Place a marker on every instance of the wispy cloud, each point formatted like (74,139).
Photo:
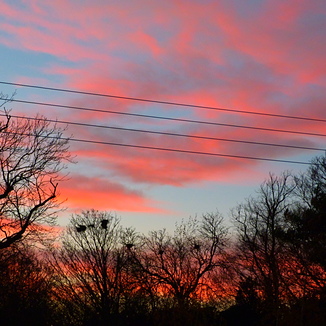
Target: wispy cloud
(261,56)
(88,192)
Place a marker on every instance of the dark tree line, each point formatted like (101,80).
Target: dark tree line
(269,269)
(109,274)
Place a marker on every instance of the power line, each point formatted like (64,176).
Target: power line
(191,152)
(169,118)
(170,149)
(163,102)
(170,133)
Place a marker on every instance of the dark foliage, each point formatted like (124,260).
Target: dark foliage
(25,289)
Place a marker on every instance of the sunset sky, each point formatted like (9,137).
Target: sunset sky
(255,55)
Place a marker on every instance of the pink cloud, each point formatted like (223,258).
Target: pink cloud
(277,38)
(93,192)
(214,54)
(177,169)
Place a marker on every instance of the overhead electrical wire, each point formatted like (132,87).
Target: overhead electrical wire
(163,102)
(175,150)
(168,118)
(169,133)
(172,119)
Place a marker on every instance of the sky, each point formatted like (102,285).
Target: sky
(262,56)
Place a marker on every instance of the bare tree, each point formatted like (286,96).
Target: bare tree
(263,255)
(178,264)
(90,266)
(33,152)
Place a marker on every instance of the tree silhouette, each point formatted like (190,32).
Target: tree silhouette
(178,264)
(306,231)
(25,288)
(308,221)
(263,254)
(32,155)
(91,267)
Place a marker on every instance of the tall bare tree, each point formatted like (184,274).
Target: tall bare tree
(33,153)
(90,266)
(263,254)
